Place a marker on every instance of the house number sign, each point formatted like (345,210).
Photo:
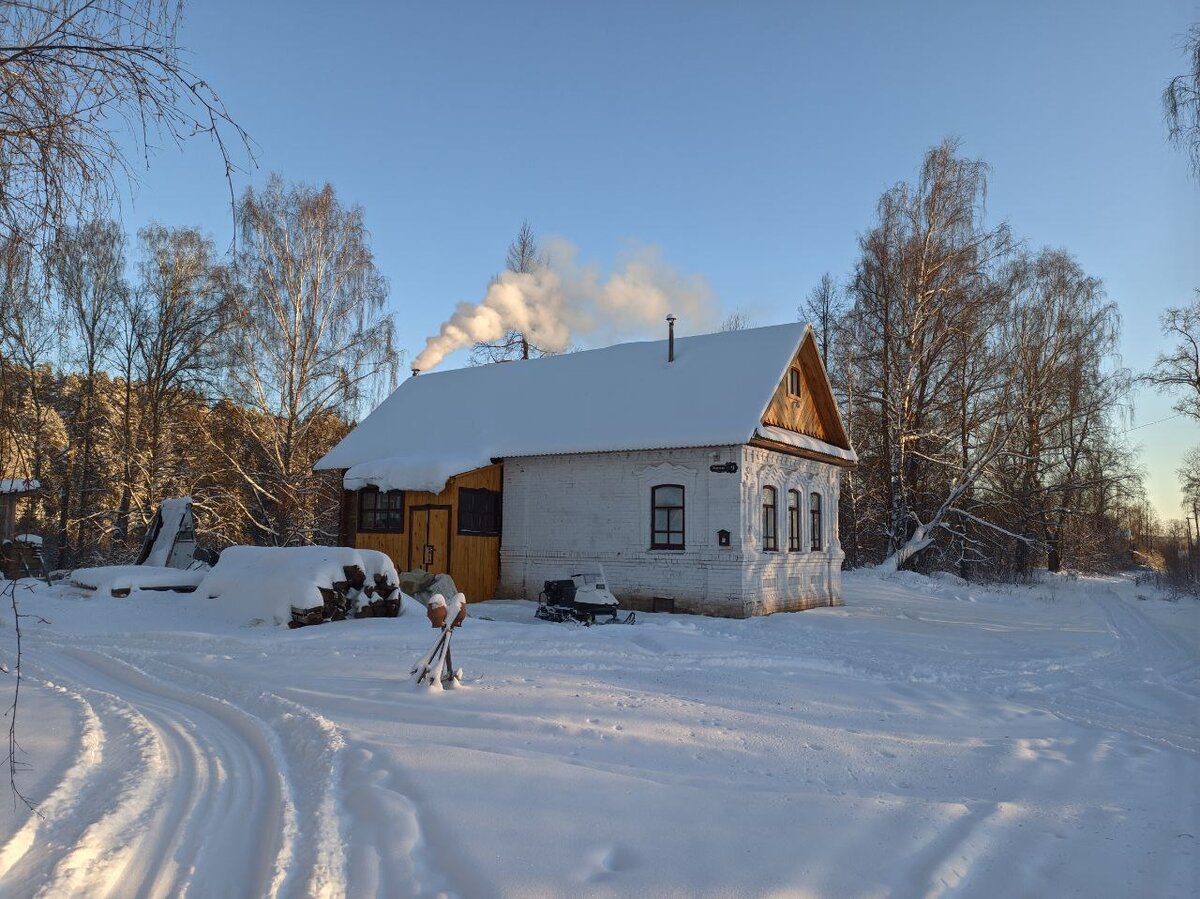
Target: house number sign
(725,468)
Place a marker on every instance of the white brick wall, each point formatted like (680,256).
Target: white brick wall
(563,514)
(785,580)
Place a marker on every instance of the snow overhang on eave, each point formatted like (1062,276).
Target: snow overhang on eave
(805,442)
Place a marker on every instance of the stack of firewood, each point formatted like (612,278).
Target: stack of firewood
(353,597)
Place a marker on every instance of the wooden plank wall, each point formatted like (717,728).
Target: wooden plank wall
(474,561)
(814,412)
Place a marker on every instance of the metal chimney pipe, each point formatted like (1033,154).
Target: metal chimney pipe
(670,337)
(415,372)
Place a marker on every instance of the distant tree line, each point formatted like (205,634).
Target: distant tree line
(220,375)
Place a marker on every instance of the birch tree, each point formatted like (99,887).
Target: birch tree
(87,264)
(922,292)
(1064,385)
(1181,102)
(86,86)
(523,257)
(1177,370)
(31,430)
(311,337)
(178,319)
(822,309)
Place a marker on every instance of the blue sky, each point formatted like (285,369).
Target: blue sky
(749,141)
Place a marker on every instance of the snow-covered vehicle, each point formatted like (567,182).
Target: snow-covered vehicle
(582,597)
(169,559)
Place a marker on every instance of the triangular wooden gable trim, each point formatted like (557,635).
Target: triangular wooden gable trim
(815,412)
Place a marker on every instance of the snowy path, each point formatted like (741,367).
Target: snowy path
(186,762)
(929,739)
(204,802)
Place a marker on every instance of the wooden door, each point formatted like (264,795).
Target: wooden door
(429,539)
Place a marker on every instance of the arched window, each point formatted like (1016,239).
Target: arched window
(666,517)
(794,536)
(814,512)
(770,524)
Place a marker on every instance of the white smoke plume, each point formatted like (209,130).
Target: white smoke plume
(566,299)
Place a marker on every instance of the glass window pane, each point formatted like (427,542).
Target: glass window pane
(660,519)
(668,496)
(676,520)
(675,539)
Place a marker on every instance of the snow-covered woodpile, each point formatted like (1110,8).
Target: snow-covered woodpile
(305,585)
(351,597)
(21,556)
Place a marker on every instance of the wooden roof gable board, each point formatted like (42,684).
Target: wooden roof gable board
(623,397)
(815,411)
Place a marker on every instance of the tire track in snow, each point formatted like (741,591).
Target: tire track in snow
(79,786)
(308,750)
(1170,683)
(198,806)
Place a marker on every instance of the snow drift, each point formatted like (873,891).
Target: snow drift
(930,738)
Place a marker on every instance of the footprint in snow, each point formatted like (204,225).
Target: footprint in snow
(608,863)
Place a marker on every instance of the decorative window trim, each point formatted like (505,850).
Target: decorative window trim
(770,519)
(655,507)
(666,472)
(495,497)
(394,510)
(816,521)
(795,532)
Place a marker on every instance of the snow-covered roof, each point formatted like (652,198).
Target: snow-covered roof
(804,441)
(18,485)
(623,397)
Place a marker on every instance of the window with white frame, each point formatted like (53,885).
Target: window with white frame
(814,514)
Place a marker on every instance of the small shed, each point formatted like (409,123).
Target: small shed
(20,554)
(12,492)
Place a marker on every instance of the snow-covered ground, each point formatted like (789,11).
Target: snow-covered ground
(929,738)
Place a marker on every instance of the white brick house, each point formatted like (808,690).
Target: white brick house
(703,480)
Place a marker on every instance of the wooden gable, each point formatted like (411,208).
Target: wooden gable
(813,410)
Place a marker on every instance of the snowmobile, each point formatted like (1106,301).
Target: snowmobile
(582,598)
